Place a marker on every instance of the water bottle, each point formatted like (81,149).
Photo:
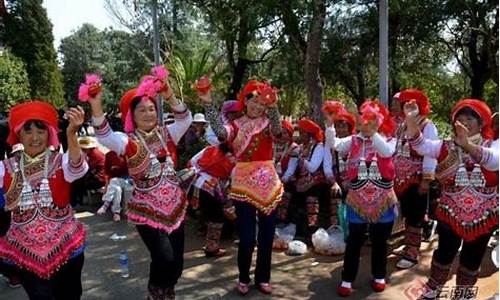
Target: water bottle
(124,264)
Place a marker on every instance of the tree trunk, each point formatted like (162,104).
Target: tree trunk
(477,86)
(312,77)
(243,39)
(237,81)
(361,85)
(479,66)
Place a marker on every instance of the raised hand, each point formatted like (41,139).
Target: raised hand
(166,92)
(97,100)
(352,108)
(76,117)
(206,98)
(461,134)
(329,117)
(410,110)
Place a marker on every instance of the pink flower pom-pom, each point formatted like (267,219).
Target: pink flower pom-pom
(90,88)
(92,79)
(148,87)
(160,72)
(83,93)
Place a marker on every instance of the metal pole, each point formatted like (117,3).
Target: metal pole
(156,51)
(383,39)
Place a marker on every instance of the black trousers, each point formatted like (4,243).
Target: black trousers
(413,206)
(65,284)
(167,255)
(211,208)
(379,233)
(246,221)
(471,254)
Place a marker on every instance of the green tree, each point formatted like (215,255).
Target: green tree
(14,84)
(81,53)
(116,55)
(28,32)
(472,36)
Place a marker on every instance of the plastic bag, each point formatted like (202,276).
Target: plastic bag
(283,236)
(329,242)
(296,248)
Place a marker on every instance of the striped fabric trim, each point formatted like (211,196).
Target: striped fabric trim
(416,140)
(76,167)
(103,130)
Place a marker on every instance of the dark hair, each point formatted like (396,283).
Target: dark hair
(37,123)
(467,111)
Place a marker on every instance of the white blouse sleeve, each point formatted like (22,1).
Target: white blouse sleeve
(2,173)
(429,163)
(74,170)
(330,137)
(290,170)
(183,119)
(316,159)
(211,137)
(115,141)
(343,145)
(328,162)
(384,147)
(489,157)
(426,147)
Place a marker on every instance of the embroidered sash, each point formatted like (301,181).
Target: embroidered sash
(370,199)
(257,183)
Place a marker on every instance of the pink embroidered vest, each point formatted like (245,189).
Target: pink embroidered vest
(41,239)
(385,164)
(369,198)
(158,202)
(254,178)
(407,162)
(470,211)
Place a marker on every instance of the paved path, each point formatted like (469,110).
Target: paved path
(305,277)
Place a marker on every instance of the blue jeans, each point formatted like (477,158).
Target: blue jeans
(246,221)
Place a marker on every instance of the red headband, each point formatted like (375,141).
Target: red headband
(312,128)
(422,100)
(34,110)
(481,109)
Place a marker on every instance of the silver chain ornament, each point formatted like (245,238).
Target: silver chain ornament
(27,193)
(462,177)
(155,168)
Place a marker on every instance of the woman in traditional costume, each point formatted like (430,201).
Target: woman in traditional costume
(43,240)
(467,211)
(414,173)
(158,204)
(255,186)
(371,201)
